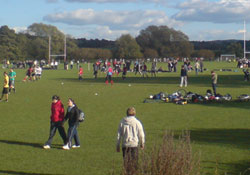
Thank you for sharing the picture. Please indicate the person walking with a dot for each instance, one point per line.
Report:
(56, 121)
(72, 116)
(183, 76)
(12, 76)
(5, 91)
(214, 81)
(131, 134)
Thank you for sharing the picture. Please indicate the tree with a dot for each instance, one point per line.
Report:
(150, 53)
(203, 53)
(166, 41)
(235, 48)
(127, 47)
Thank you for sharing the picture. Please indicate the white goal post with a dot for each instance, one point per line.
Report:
(227, 57)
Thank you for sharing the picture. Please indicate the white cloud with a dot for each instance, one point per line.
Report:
(223, 11)
(209, 35)
(113, 23)
(20, 29)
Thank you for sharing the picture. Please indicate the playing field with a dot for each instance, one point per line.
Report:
(220, 131)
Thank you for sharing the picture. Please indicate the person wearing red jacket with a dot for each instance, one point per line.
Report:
(56, 121)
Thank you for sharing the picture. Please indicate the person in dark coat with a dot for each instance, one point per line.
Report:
(72, 116)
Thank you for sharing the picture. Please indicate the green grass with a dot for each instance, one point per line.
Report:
(221, 132)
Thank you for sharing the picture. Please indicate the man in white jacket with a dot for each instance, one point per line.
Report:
(131, 133)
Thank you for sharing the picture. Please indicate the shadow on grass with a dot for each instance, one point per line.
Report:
(241, 168)
(23, 173)
(35, 145)
(226, 104)
(204, 80)
(232, 168)
(238, 138)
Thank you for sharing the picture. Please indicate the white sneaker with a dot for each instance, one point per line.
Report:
(66, 147)
(76, 146)
(46, 147)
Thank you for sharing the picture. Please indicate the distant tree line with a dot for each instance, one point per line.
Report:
(152, 42)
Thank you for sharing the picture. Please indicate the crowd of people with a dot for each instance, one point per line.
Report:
(130, 135)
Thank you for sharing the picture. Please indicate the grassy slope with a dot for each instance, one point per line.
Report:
(221, 132)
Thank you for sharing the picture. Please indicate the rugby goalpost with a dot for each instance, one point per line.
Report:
(245, 52)
(60, 55)
(227, 57)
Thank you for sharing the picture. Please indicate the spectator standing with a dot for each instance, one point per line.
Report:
(5, 91)
(214, 81)
(197, 67)
(183, 76)
(12, 76)
(131, 134)
(80, 73)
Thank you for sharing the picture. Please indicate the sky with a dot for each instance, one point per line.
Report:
(200, 20)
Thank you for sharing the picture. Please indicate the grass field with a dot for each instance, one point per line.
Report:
(221, 132)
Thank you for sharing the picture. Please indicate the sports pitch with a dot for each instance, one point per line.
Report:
(219, 131)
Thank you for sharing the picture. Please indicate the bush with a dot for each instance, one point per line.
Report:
(171, 157)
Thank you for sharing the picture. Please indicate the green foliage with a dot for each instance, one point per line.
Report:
(166, 41)
(204, 53)
(127, 47)
(235, 48)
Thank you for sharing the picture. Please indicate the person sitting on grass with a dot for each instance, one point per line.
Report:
(5, 91)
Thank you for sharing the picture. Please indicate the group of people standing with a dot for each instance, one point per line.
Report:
(57, 119)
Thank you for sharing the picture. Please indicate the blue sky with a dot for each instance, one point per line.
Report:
(109, 19)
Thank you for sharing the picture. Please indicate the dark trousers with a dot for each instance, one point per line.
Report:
(109, 78)
(214, 88)
(130, 158)
(72, 133)
(53, 127)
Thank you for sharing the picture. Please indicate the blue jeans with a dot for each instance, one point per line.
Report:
(72, 133)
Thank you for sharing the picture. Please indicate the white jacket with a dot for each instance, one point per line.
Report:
(130, 131)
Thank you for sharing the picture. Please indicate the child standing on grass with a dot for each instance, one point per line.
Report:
(5, 91)
(80, 73)
(109, 76)
(12, 76)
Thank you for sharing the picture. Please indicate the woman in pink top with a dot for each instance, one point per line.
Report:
(109, 76)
